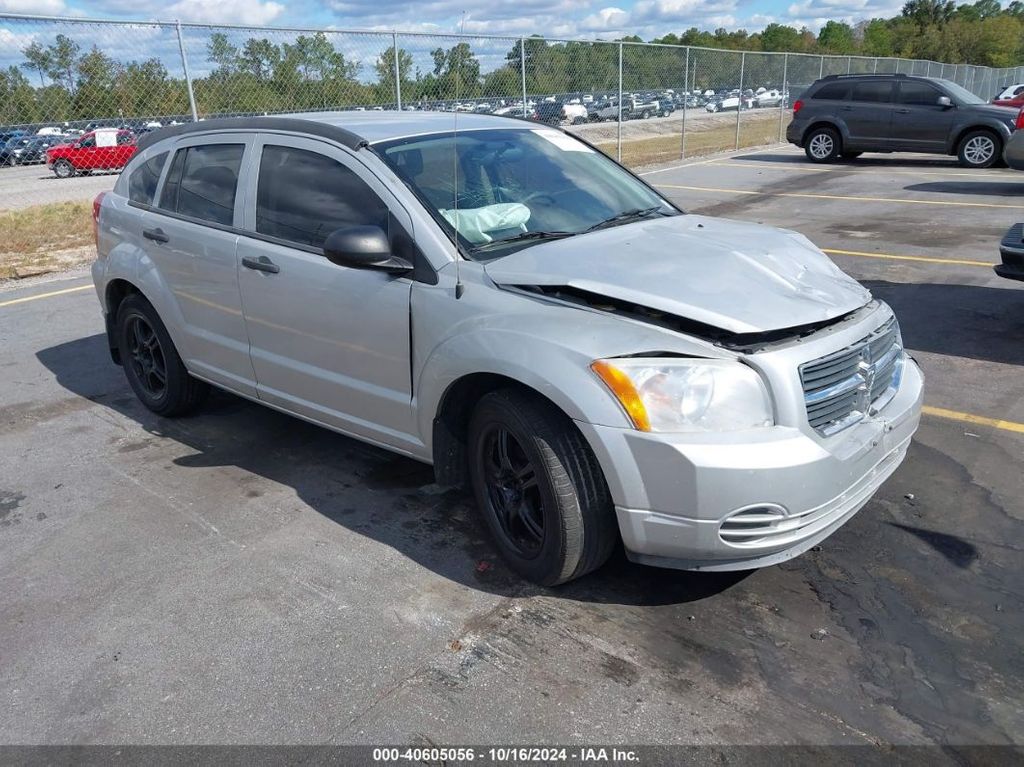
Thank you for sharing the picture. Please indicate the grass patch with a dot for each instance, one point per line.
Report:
(754, 131)
(45, 238)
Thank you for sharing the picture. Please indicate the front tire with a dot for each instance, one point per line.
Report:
(151, 363)
(979, 149)
(823, 145)
(63, 169)
(539, 488)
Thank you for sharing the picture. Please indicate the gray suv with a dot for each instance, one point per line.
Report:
(508, 304)
(842, 116)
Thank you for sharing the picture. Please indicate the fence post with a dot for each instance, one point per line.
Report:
(875, 70)
(686, 98)
(618, 126)
(398, 70)
(188, 75)
(849, 64)
(522, 71)
(739, 107)
(821, 68)
(785, 91)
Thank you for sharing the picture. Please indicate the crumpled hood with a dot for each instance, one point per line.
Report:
(740, 277)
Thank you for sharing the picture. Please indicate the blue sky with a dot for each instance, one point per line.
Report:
(604, 19)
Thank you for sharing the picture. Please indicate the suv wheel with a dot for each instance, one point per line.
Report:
(822, 145)
(151, 363)
(63, 169)
(539, 488)
(979, 149)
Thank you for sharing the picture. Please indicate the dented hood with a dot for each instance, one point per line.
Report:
(740, 277)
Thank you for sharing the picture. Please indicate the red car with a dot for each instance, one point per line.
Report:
(97, 150)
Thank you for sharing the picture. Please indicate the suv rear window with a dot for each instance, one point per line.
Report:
(303, 196)
(202, 182)
(833, 92)
(142, 181)
(873, 91)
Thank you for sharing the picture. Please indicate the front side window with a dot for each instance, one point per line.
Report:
(873, 91)
(303, 196)
(917, 93)
(142, 181)
(88, 142)
(504, 189)
(202, 182)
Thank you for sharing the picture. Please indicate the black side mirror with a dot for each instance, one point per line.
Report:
(945, 102)
(363, 247)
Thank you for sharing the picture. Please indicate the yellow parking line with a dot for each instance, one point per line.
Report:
(979, 420)
(841, 197)
(874, 170)
(925, 259)
(26, 299)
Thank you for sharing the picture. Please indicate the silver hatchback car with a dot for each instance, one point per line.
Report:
(506, 303)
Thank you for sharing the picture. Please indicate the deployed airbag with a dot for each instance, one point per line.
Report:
(475, 224)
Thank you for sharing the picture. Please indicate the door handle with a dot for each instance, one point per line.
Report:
(902, 111)
(156, 235)
(846, 109)
(261, 264)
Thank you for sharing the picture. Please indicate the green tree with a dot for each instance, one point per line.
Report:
(37, 59)
(779, 37)
(836, 37)
(221, 52)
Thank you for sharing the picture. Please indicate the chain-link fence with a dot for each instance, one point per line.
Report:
(643, 103)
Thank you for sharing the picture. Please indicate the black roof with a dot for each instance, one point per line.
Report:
(291, 124)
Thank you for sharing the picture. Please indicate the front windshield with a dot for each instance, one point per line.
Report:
(504, 189)
(961, 94)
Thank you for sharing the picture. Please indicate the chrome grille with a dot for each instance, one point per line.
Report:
(842, 387)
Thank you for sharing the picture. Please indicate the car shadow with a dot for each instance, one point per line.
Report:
(970, 321)
(987, 188)
(923, 162)
(368, 490)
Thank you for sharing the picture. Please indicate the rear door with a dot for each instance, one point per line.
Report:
(190, 238)
(328, 342)
(919, 124)
(868, 115)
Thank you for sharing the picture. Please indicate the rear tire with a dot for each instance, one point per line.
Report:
(823, 145)
(979, 149)
(151, 363)
(539, 488)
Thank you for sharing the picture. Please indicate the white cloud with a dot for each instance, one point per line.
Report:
(224, 11)
(42, 7)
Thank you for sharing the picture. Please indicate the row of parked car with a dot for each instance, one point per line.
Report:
(69, 154)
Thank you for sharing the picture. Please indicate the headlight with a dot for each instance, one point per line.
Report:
(687, 395)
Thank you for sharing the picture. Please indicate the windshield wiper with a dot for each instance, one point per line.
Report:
(522, 237)
(625, 216)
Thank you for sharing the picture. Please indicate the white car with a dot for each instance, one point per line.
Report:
(1010, 91)
(769, 98)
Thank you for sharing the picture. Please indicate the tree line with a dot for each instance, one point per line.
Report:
(63, 81)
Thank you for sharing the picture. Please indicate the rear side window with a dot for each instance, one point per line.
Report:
(202, 182)
(918, 93)
(303, 196)
(873, 91)
(142, 181)
(833, 92)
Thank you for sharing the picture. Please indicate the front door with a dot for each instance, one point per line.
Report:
(328, 342)
(919, 123)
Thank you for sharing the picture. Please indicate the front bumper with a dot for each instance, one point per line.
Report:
(674, 492)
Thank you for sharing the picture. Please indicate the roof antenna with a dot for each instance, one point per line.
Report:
(459, 287)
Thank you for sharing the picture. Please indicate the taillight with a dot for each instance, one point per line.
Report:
(97, 203)
(797, 106)
(1020, 119)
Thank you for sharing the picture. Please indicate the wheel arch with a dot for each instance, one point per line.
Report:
(954, 147)
(821, 123)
